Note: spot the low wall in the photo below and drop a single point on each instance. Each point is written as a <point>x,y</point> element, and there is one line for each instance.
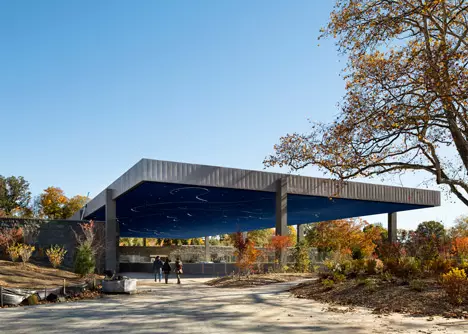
<point>210,269</point>
<point>195,253</point>
<point>45,233</point>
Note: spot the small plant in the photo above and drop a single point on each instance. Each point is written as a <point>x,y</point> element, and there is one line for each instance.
<point>354,268</point>
<point>455,285</point>
<point>374,266</point>
<point>328,283</point>
<point>84,259</point>
<point>387,276</point>
<point>301,255</point>
<point>417,285</point>
<point>56,254</point>
<point>439,266</point>
<point>14,252</point>
<point>364,282</point>
<point>25,251</point>
<point>338,278</point>
<point>370,285</point>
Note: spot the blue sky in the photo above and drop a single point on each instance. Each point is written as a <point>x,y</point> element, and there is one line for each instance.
<point>91,87</point>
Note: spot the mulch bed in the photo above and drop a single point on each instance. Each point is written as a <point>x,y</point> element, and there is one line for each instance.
<point>254,280</point>
<point>384,297</point>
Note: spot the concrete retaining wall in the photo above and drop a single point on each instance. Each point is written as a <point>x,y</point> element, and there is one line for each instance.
<point>211,269</point>
<point>43,234</point>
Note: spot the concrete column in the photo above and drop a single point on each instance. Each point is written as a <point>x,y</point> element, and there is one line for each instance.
<point>282,214</point>
<point>244,235</point>
<point>112,238</point>
<point>300,233</point>
<point>207,249</point>
<point>392,227</point>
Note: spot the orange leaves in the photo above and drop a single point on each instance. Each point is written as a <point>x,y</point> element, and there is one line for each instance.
<point>280,242</point>
<point>344,235</point>
<point>246,252</point>
<point>55,205</point>
<point>460,247</point>
<point>10,236</point>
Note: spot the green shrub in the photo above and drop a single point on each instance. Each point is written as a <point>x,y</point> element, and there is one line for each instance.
<point>455,285</point>
<point>328,283</point>
<point>355,268</point>
<point>370,285</point>
<point>363,281</point>
<point>338,278</point>
<point>417,285</point>
<point>386,276</point>
<point>301,256</point>
<point>56,254</point>
<point>357,254</point>
<point>84,260</point>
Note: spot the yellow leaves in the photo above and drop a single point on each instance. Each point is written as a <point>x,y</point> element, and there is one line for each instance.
<point>55,205</point>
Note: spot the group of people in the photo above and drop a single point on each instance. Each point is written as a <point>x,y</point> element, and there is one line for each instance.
<point>160,267</point>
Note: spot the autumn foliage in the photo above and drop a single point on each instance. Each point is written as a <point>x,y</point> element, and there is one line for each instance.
<point>55,205</point>
<point>9,236</point>
<point>460,247</point>
<point>406,101</point>
<point>245,252</point>
<point>346,235</point>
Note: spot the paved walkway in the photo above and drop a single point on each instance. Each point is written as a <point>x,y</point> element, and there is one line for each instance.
<point>195,308</point>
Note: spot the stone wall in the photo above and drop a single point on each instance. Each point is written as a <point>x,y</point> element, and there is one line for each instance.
<point>45,233</point>
<point>187,253</point>
<point>194,253</point>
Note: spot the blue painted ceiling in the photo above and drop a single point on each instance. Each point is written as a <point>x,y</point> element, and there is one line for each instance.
<point>164,210</point>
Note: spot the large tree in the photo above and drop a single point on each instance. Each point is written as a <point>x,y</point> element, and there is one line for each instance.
<point>54,204</point>
<point>431,229</point>
<point>405,106</point>
<point>14,196</point>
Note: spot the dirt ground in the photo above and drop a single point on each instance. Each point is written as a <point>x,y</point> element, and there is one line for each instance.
<point>384,297</point>
<point>17,275</point>
<point>255,280</point>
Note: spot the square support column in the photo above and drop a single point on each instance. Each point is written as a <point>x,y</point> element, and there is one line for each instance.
<point>282,214</point>
<point>392,227</point>
<point>207,249</point>
<point>244,235</point>
<point>300,233</point>
<point>112,237</point>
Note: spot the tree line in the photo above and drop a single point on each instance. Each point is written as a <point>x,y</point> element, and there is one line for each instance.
<point>16,200</point>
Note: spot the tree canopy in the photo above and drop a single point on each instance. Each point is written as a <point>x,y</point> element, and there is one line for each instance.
<point>431,229</point>
<point>14,196</point>
<point>55,205</point>
<point>405,106</point>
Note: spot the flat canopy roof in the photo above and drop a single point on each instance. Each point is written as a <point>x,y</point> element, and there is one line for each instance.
<point>161,199</point>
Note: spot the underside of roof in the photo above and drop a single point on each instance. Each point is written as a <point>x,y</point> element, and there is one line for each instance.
<point>178,200</point>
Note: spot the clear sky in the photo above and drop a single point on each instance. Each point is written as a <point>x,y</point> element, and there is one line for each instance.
<point>90,87</point>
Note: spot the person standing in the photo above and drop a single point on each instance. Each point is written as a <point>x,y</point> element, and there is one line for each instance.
<point>157,268</point>
<point>166,269</point>
<point>178,269</point>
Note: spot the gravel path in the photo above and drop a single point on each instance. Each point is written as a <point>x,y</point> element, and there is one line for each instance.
<point>195,308</point>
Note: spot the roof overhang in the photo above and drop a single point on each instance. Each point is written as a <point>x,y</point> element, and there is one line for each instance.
<point>149,177</point>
